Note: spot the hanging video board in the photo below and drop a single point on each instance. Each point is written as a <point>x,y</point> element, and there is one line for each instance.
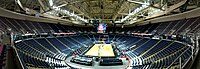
<point>101,28</point>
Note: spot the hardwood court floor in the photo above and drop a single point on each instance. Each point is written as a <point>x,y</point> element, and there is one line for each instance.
<point>102,49</point>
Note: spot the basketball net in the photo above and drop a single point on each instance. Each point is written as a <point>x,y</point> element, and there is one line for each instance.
<point>103,39</point>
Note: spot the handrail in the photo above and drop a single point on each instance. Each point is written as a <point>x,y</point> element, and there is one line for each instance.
<point>12,45</point>
<point>19,58</point>
<point>178,57</point>
<point>113,38</point>
<point>150,48</point>
<point>58,50</point>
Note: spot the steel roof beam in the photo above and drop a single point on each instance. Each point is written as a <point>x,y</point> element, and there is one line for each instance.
<point>136,2</point>
<point>41,4</point>
<point>78,9</point>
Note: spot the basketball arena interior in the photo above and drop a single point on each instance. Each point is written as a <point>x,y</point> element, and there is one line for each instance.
<point>99,34</point>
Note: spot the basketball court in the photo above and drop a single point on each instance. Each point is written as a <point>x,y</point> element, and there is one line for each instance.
<point>102,50</point>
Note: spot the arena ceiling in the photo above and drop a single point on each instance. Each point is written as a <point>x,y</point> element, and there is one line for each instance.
<point>109,11</point>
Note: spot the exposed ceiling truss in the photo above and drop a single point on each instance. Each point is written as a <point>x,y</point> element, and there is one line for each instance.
<point>119,11</point>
